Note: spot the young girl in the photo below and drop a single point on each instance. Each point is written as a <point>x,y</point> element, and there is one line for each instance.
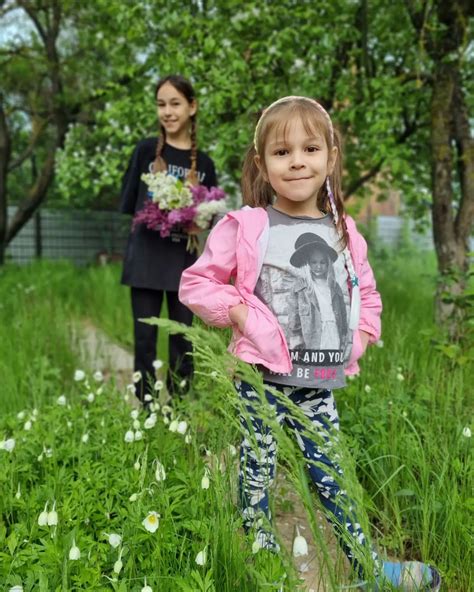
<point>153,265</point>
<point>246,279</point>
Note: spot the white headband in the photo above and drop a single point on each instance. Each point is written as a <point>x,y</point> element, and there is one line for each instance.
<point>291,98</point>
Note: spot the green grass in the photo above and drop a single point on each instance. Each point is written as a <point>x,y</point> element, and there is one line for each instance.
<point>403,418</point>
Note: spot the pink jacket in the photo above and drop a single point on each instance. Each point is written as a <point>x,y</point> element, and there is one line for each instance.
<point>226,274</point>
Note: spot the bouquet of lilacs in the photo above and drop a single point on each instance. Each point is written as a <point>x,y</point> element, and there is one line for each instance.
<point>174,204</point>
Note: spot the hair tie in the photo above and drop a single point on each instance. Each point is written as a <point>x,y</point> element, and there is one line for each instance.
<point>291,98</point>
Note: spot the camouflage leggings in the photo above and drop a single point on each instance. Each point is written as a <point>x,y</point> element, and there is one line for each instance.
<point>257,464</point>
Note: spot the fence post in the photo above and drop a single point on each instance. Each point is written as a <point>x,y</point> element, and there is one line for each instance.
<point>38,236</point>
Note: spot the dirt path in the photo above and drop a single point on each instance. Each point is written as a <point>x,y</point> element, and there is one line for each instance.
<point>99,353</point>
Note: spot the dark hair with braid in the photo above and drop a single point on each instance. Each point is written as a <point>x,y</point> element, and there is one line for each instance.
<point>184,87</point>
<point>257,192</point>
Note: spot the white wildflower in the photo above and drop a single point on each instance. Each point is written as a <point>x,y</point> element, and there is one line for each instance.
<point>27,425</point>
<point>367,388</point>
<point>118,566</point>
<point>205,479</point>
<point>21,415</point>
<point>232,450</point>
<point>379,343</point>
<point>150,421</point>
<point>137,376</point>
<point>53,516</point>
<point>256,546</point>
<point>134,413</point>
<point>8,444</point>
<point>79,375</point>
<point>159,384</point>
<point>152,521</point>
<point>74,552</point>
<point>173,427</point>
<point>188,438</point>
<point>182,384</point>
<point>98,376</point>
<point>85,438</point>
<point>147,398</point>
<point>133,497</point>
<point>114,539</point>
<point>131,388</point>
<point>136,465</point>
<point>182,427</point>
<point>467,432</point>
<point>201,557</point>
<point>136,424</point>
<point>160,473</point>
<point>157,364</point>
<point>146,588</point>
<point>61,400</point>
<point>300,546</point>
<point>43,517</point>
<point>90,397</point>
<point>18,492</point>
<point>17,588</point>
<point>400,377</point>
<point>138,435</point>
<point>129,436</point>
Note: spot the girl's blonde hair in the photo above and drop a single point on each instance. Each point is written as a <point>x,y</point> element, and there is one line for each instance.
<point>257,192</point>
<point>183,86</point>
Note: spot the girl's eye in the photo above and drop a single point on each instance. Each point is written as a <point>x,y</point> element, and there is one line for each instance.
<point>312,148</point>
<point>281,152</point>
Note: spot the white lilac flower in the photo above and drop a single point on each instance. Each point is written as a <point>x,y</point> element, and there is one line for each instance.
<point>157,364</point>
<point>152,521</point>
<point>134,414</point>
<point>43,517</point>
<point>138,435</point>
<point>201,557</point>
<point>300,546</point>
<point>173,427</point>
<point>160,473</point>
<point>129,436</point>
<point>8,444</point>
<point>85,438</point>
<point>61,400</point>
<point>205,479</point>
<point>79,375</point>
<point>27,425</point>
<point>74,552</point>
<point>467,432</point>
<point>136,424</point>
<point>90,397</point>
<point>53,516</point>
<point>150,421</point>
<point>137,376</point>
<point>400,377</point>
<point>159,384</point>
<point>98,376</point>
<point>147,398</point>
<point>367,388</point>
<point>182,427</point>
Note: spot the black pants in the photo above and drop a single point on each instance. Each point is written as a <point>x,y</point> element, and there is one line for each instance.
<point>147,303</point>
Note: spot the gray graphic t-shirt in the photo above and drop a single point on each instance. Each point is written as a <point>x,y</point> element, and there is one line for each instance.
<point>304,283</point>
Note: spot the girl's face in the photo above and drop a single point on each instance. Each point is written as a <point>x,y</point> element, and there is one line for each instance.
<point>296,166</point>
<point>318,263</point>
<point>174,110</point>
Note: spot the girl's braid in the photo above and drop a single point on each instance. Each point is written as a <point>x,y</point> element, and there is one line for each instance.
<point>355,291</point>
<point>192,176</point>
<point>159,163</point>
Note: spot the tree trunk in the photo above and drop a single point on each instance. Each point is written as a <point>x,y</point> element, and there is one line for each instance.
<point>5,154</point>
<point>450,142</point>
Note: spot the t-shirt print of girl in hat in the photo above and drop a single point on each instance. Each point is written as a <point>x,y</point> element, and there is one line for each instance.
<point>317,311</point>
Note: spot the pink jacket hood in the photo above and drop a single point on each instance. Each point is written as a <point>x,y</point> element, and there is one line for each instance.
<point>234,253</point>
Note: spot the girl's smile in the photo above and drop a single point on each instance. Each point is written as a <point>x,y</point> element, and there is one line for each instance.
<point>174,111</point>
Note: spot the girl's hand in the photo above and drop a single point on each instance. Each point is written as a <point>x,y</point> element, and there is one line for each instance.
<point>194,229</point>
<point>238,315</point>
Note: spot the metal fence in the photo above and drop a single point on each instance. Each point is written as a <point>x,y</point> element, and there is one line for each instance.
<point>85,236</point>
